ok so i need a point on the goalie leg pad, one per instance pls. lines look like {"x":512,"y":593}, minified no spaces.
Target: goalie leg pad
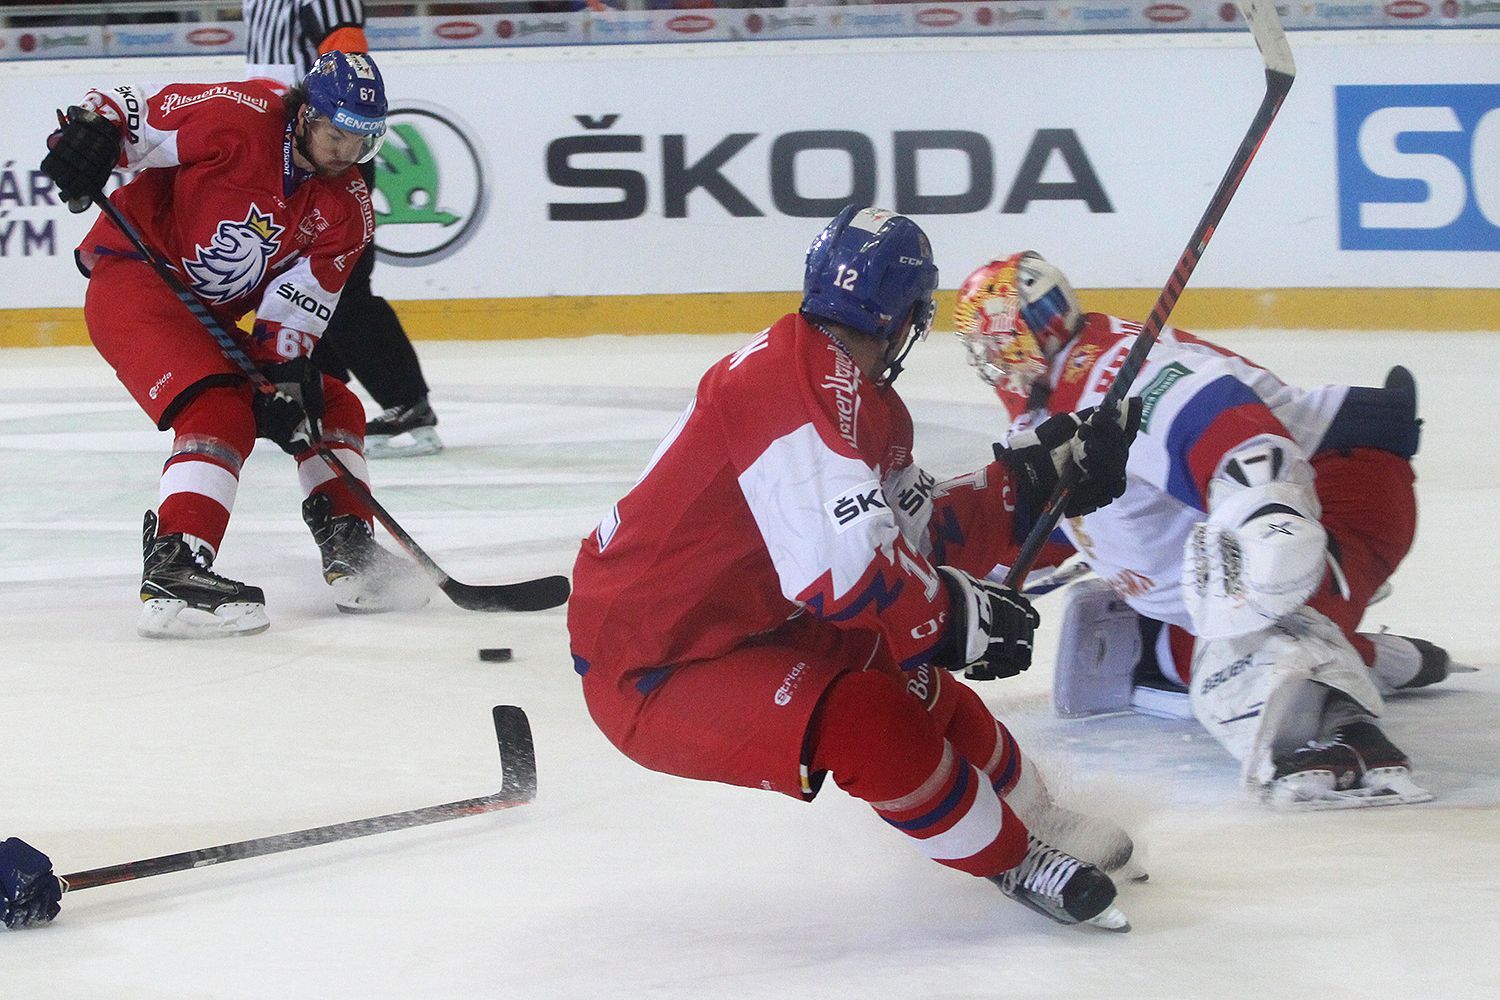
{"x":1246,"y":690}
{"x":1098,"y":649}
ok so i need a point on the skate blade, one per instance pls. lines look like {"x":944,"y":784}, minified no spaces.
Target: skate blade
{"x":1130,"y":871}
{"x":1112,"y":919}
{"x":1395,"y":783}
{"x":1160,"y":704}
{"x":167,"y":618}
{"x":408,"y":444}
{"x":1382,"y":787}
{"x":1461,"y":668}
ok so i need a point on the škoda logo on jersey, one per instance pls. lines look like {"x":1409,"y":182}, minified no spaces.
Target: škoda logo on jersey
{"x":865,"y":501}
{"x":234,"y":262}
{"x":429,"y":192}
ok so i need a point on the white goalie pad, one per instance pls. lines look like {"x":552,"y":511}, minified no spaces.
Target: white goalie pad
{"x":1097,"y":651}
{"x":1245,"y":689}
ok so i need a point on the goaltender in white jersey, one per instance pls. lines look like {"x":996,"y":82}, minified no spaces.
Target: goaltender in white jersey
{"x":1258,"y":522}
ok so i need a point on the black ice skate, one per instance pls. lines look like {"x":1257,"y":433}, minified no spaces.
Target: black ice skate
{"x":1354,"y":768}
{"x":1062,"y":888}
{"x":1403,"y":663}
{"x":182,"y":598}
{"x":366,"y":579}
{"x":403,"y":432}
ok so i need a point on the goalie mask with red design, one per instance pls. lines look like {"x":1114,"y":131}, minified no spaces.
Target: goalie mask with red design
{"x":1015,"y":314}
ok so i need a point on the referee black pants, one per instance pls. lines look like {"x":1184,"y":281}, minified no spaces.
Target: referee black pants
{"x":365,"y":338}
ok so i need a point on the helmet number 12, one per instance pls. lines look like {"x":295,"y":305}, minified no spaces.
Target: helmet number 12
{"x":846,"y":277}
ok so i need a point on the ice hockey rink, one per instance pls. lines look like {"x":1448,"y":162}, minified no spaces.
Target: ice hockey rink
{"x":617,"y":882}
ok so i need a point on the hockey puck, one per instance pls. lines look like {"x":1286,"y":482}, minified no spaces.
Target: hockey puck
{"x":499,"y":654}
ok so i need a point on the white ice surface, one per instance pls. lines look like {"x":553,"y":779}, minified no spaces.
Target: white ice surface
{"x":618,"y":882}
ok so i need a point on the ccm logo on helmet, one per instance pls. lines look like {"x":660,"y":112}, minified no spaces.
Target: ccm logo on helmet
{"x":305,"y":302}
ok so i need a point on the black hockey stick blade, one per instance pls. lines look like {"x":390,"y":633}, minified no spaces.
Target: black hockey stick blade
{"x":517,"y":754}
{"x":1281,"y":70}
{"x":517,"y":787}
{"x":528,"y":595}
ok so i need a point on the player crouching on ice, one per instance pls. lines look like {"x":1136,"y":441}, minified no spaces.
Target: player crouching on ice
{"x":778,"y":597}
{"x":255,"y":199}
{"x":1258,"y":521}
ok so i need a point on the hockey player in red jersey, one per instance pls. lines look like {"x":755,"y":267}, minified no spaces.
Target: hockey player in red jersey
{"x":779,"y":596}
{"x":255,"y":200}
{"x":1259,"y":521}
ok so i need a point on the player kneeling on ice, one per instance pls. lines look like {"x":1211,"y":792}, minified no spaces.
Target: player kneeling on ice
{"x":256,"y":201}
{"x":29,"y":892}
{"x":779,"y":596}
{"x":1258,"y":522}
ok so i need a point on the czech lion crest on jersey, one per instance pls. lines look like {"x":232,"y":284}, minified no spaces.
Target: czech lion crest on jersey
{"x":235,"y":261}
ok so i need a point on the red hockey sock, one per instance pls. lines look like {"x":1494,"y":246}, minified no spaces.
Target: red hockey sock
{"x":881,"y":745}
{"x":214,"y":433}
{"x":979,"y":736}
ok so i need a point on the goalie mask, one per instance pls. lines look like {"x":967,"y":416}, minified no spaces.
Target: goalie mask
{"x":1015,"y":314}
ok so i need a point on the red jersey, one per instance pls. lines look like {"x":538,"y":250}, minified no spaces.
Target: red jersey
{"x":787,"y":486}
{"x":220,"y":198}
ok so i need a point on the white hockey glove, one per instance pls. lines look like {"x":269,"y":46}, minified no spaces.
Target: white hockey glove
{"x":1261,"y":553}
{"x":989,"y":628}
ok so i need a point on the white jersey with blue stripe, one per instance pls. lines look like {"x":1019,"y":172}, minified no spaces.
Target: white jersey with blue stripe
{"x":1200,"y":403}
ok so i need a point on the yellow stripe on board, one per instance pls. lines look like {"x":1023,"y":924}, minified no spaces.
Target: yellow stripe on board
{"x":738,"y":312}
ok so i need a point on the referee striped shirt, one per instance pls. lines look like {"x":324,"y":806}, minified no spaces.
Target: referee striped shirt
{"x":283,"y":36}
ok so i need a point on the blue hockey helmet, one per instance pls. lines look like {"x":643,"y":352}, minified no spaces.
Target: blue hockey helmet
{"x":871,"y":270}
{"x":345,"y":89}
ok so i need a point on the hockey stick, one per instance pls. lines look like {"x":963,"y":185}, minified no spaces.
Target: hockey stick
{"x":528,"y":595}
{"x":517,"y":787}
{"x":1280,"y":71}
{"x":1057,"y":579}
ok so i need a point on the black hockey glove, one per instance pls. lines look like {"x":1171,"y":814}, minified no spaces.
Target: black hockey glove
{"x":290,"y":417}
{"x":1097,"y":442}
{"x":80,"y":156}
{"x":29,"y":892}
{"x":989,"y":628}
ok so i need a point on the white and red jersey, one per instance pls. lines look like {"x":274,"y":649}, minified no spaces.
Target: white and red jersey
{"x":786,"y":486}
{"x":220,"y":198}
{"x":1200,"y":402}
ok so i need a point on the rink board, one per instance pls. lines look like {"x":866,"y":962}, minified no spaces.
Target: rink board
{"x":594,"y":204}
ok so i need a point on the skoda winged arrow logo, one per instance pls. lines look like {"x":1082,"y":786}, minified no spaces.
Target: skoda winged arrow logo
{"x":430,"y":187}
